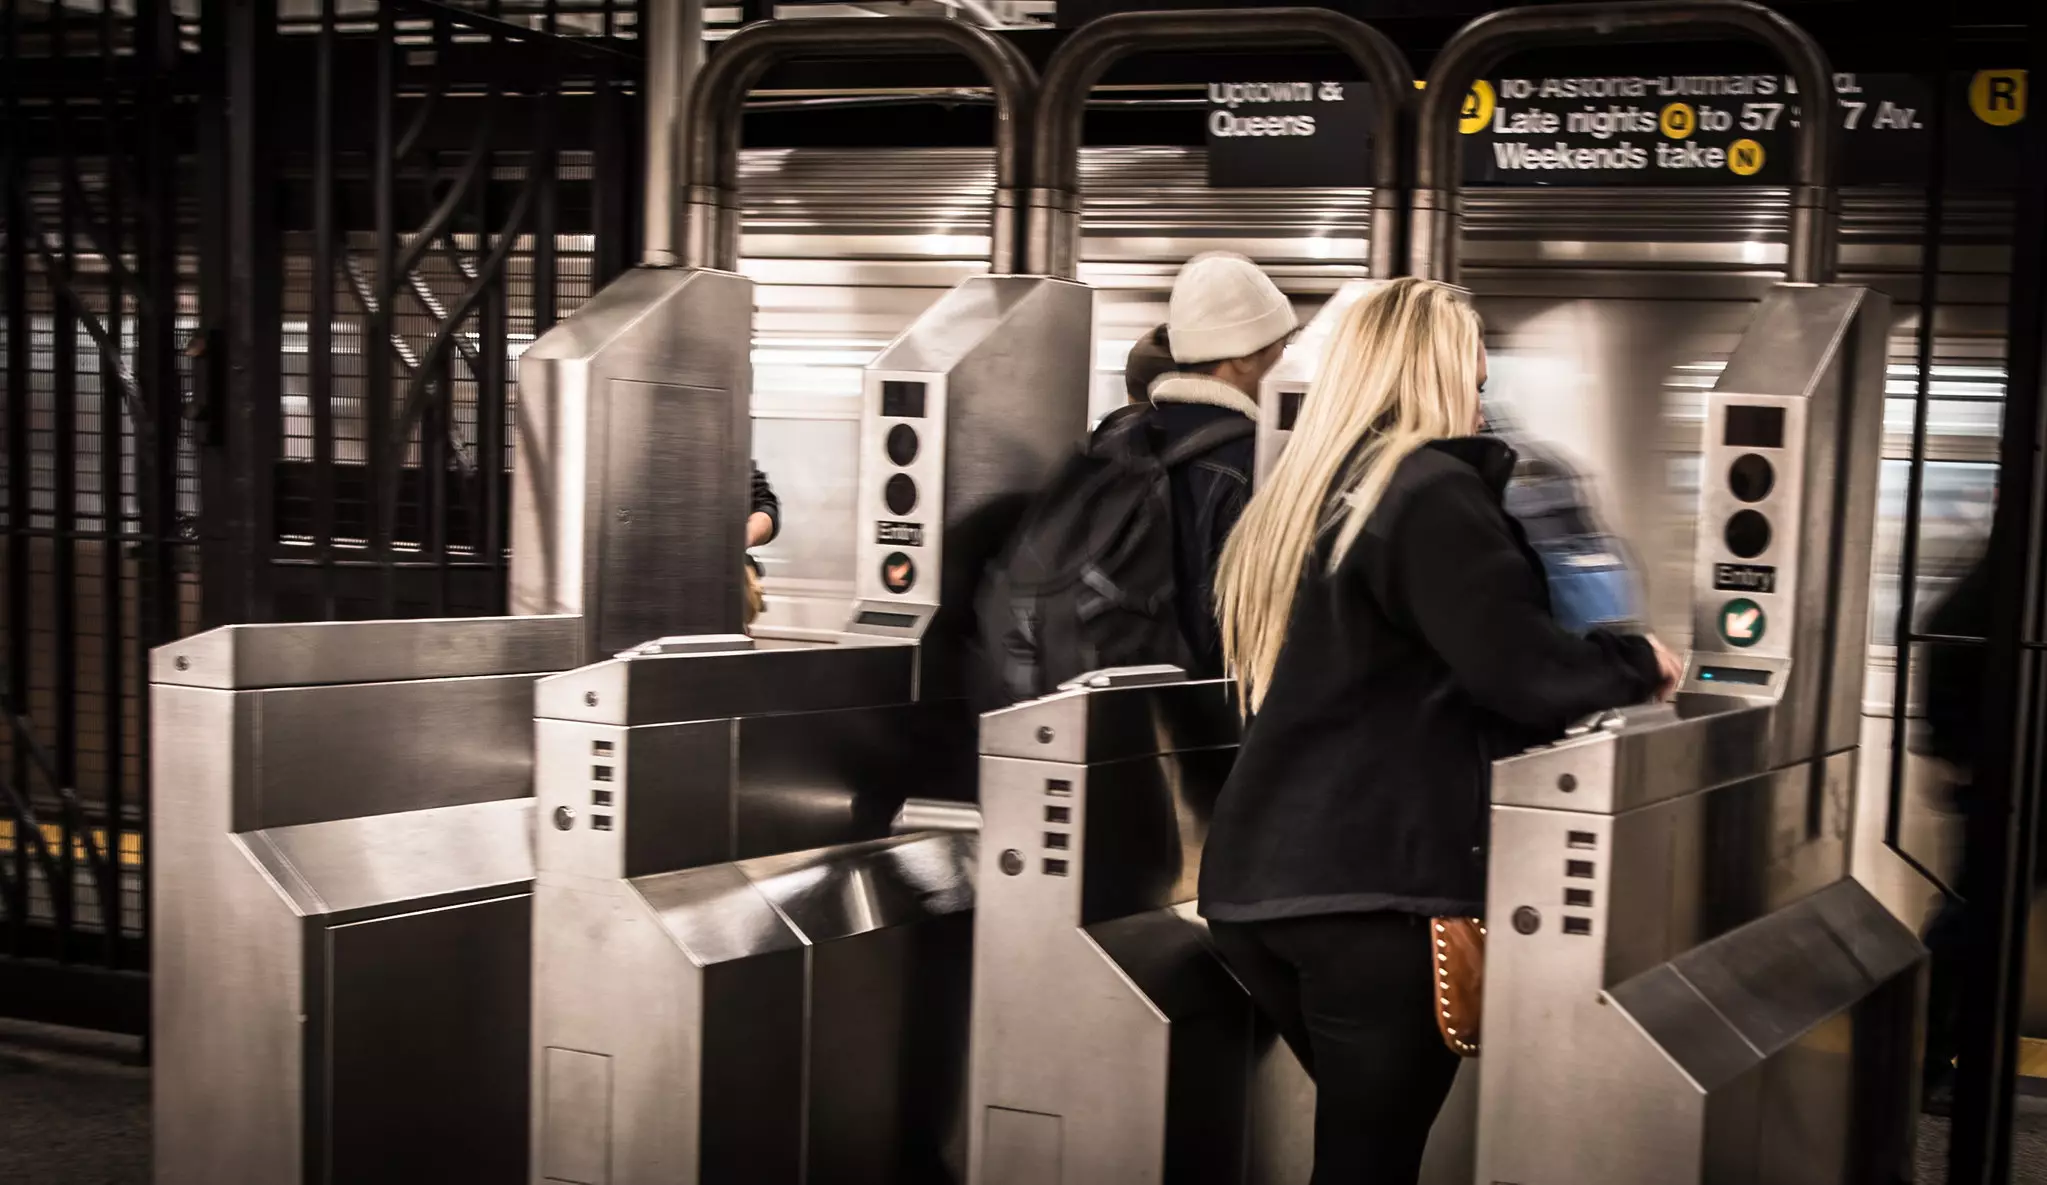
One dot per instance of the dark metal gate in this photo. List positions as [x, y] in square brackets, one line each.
[101, 483]
[275, 257]
[446, 184]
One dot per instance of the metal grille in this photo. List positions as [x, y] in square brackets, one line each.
[484, 203]
[101, 490]
[159, 241]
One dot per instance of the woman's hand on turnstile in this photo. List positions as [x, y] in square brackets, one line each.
[1670, 664]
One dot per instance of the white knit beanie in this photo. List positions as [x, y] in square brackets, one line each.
[1224, 307]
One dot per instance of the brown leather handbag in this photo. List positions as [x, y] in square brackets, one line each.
[756, 596]
[1460, 981]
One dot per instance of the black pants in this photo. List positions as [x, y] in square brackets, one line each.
[1354, 995]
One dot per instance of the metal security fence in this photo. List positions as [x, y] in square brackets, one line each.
[98, 300]
[483, 228]
[265, 272]
[452, 182]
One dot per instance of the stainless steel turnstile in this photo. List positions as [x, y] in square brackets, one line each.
[707, 1009]
[340, 869]
[1683, 983]
[1110, 1044]
[707, 1006]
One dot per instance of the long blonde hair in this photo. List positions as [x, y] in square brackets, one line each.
[1400, 370]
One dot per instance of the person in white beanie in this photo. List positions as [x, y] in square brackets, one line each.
[1227, 325]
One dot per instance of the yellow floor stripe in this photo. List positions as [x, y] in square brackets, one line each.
[53, 835]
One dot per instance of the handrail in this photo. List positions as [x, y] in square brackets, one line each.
[1053, 233]
[711, 137]
[1482, 44]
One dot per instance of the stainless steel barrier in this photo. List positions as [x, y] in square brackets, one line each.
[1110, 1044]
[708, 1008]
[1682, 983]
[340, 881]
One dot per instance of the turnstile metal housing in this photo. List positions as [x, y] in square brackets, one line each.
[632, 460]
[964, 417]
[708, 1008]
[1682, 982]
[1110, 1044]
[340, 870]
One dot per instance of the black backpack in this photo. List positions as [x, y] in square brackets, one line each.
[1087, 580]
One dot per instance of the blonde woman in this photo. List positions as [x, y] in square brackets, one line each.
[1391, 633]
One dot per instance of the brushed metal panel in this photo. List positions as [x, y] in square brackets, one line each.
[306, 654]
[659, 506]
[1023, 1147]
[1564, 1070]
[608, 980]
[1010, 357]
[321, 753]
[676, 688]
[1114, 723]
[575, 1116]
[848, 890]
[753, 1071]
[1655, 752]
[1819, 353]
[887, 1050]
[807, 779]
[674, 797]
[1057, 1028]
[1210, 1038]
[347, 865]
[671, 328]
[715, 914]
[428, 1014]
[226, 975]
[1143, 828]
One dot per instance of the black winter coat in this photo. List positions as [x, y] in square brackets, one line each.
[1209, 495]
[1363, 781]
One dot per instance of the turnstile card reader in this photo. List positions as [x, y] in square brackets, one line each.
[341, 863]
[1110, 1044]
[1682, 982]
[965, 417]
[633, 459]
[1283, 389]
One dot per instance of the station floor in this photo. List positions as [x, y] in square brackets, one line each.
[74, 1110]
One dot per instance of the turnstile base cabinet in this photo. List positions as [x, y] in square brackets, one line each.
[341, 865]
[305, 1031]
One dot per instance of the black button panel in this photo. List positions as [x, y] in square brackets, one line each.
[1751, 477]
[900, 494]
[1748, 534]
[902, 444]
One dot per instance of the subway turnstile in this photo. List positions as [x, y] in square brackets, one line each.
[1110, 1044]
[634, 433]
[1682, 982]
[341, 864]
[708, 1007]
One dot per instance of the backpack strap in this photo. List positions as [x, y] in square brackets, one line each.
[1207, 439]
